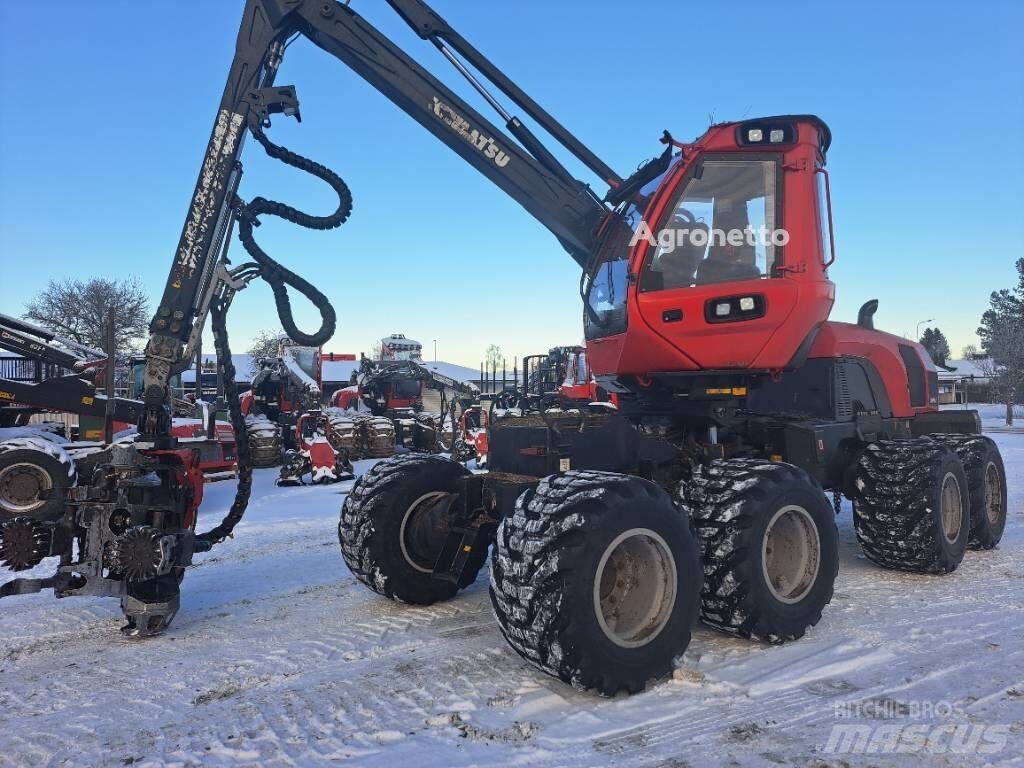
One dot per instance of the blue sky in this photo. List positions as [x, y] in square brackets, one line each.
[107, 107]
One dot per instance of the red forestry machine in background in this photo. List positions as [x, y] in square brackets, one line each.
[703, 494]
[38, 461]
[392, 389]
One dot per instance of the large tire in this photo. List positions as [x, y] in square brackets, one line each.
[33, 481]
[911, 505]
[378, 528]
[986, 480]
[769, 547]
[265, 441]
[378, 437]
[595, 579]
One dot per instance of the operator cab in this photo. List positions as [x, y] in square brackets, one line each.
[720, 263]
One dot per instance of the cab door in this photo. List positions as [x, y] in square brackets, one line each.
[708, 284]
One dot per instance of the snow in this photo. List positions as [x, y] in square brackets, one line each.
[243, 368]
[993, 416]
[339, 371]
[966, 369]
[279, 657]
[453, 370]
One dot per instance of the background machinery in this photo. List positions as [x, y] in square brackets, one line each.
[283, 388]
[391, 391]
[318, 452]
[38, 461]
[702, 494]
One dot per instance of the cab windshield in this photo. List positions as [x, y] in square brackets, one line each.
[721, 228]
[605, 286]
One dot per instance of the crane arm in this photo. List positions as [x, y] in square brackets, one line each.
[522, 168]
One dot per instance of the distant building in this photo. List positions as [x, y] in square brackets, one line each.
[966, 381]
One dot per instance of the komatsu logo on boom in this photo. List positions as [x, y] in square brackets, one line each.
[462, 127]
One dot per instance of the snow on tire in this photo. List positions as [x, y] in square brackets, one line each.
[911, 505]
[986, 480]
[264, 441]
[595, 580]
[378, 437]
[34, 473]
[769, 547]
[389, 532]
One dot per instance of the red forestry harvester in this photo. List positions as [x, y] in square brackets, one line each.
[393, 389]
[283, 388]
[318, 452]
[703, 494]
[561, 379]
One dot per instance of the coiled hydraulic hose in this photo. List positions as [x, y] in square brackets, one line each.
[278, 277]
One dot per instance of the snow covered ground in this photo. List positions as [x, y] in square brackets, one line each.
[279, 657]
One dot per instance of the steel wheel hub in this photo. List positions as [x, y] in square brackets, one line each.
[21, 485]
[423, 530]
[635, 587]
[952, 507]
[791, 554]
[993, 493]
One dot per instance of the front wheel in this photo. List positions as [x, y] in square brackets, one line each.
[394, 525]
[595, 579]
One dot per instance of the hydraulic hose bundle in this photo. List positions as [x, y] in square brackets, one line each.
[278, 277]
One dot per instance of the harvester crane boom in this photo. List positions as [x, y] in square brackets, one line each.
[525, 170]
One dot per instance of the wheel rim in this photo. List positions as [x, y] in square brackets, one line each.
[952, 507]
[993, 493]
[21, 485]
[635, 587]
[414, 514]
[791, 554]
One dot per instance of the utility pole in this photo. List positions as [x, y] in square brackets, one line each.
[199, 370]
[109, 342]
[917, 330]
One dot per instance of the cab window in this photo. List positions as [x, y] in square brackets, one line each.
[723, 227]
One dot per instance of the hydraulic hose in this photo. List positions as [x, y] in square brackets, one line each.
[217, 534]
[278, 277]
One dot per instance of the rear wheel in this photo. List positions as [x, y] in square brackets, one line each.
[911, 505]
[595, 580]
[986, 480]
[769, 546]
[394, 525]
[32, 483]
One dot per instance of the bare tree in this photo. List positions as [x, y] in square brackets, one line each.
[970, 352]
[78, 309]
[264, 343]
[493, 357]
[1002, 336]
